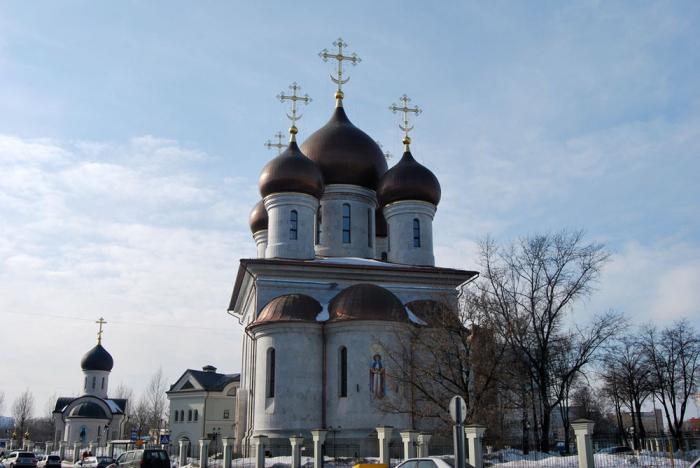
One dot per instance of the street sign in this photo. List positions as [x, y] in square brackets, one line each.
[134, 435]
[164, 439]
[458, 409]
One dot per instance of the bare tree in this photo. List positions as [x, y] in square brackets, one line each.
[528, 288]
[123, 392]
[22, 410]
[156, 399]
[674, 358]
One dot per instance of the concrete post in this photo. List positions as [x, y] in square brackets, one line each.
[110, 449]
[182, 455]
[409, 443]
[203, 452]
[48, 448]
[583, 428]
[227, 445]
[475, 434]
[657, 443]
[423, 441]
[76, 451]
[384, 436]
[91, 447]
[62, 449]
[260, 442]
[296, 443]
[319, 437]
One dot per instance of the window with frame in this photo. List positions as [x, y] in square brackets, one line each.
[177, 413]
[182, 415]
[370, 234]
[94, 381]
[189, 415]
[416, 233]
[346, 223]
[318, 226]
[226, 414]
[293, 224]
[103, 383]
[196, 415]
[270, 380]
[343, 372]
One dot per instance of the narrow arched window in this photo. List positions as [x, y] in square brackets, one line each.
[177, 413]
[384, 257]
[85, 383]
[103, 383]
[343, 371]
[270, 390]
[94, 381]
[182, 415]
[196, 415]
[293, 223]
[416, 232]
[318, 226]
[346, 223]
[370, 234]
[189, 415]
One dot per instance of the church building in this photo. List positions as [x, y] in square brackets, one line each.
[92, 417]
[345, 269]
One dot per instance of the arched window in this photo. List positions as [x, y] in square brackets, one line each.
[196, 415]
[346, 223]
[85, 382]
[370, 234]
[384, 257]
[182, 415]
[103, 383]
[293, 223]
[343, 371]
[189, 415]
[318, 226]
[416, 232]
[94, 381]
[270, 380]
[177, 413]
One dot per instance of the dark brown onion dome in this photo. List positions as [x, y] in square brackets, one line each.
[289, 308]
[258, 217]
[434, 313]
[345, 154]
[291, 171]
[97, 359]
[90, 410]
[366, 302]
[408, 180]
[379, 223]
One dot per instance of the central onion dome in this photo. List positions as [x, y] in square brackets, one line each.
[345, 154]
[409, 180]
[88, 410]
[366, 302]
[258, 217]
[97, 359]
[289, 308]
[291, 171]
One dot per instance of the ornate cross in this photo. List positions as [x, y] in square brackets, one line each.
[405, 110]
[101, 322]
[279, 145]
[294, 98]
[339, 57]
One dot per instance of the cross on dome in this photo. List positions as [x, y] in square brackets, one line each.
[405, 110]
[340, 58]
[100, 322]
[279, 145]
[293, 98]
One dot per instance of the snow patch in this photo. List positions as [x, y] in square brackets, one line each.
[357, 261]
[413, 318]
[324, 314]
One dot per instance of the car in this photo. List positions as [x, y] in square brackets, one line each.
[86, 462]
[20, 460]
[618, 450]
[104, 462]
[696, 464]
[429, 462]
[49, 461]
[144, 458]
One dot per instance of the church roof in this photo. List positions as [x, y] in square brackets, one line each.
[434, 313]
[345, 154]
[116, 405]
[366, 302]
[291, 171]
[408, 180]
[90, 410]
[289, 308]
[97, 359]
[209, 380]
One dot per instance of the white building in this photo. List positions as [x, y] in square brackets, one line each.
[203, 403]
[345, 269]
[92, 417]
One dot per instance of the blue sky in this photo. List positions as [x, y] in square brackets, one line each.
[131, 139]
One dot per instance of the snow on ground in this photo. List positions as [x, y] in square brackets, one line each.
[515, 458]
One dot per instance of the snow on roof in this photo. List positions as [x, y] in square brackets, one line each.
[324, 314]
[357, 261]
[113, 407]
[413, 318]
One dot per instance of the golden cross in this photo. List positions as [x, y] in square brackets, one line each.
[279, 145]
[405, 110]
[294, 98]
[339, 57]
[101, 322]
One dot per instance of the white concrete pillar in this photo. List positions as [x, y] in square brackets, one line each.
[409, 438]
[48, 448]
[583, 429]
[76, 451]
[227, 445]
[475, 434]
[423, 443]
[204, 452]
[280, 242]
[259, 442]
[296, 443]
[319, 437]
[62, 449]
[400, 218]
[657, 444]
[260, 238]
[182, 454]
[384, 436]
[110, 449]
[91, 447]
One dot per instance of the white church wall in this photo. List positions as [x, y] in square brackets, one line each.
[399, 217]
[260, 238]
[298, 368]
[96, 383]
[280, 243]
[75, 426]
[381, 246]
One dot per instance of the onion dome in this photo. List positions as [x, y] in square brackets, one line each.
[408, 180]
[97, 359]
[291, 171]
[345, 154]
[289, 308]
[434, 313]
[88, 409]
[380, 229]
[258, 217]
[366, 302]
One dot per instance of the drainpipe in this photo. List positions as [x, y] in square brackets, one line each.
[324, 390]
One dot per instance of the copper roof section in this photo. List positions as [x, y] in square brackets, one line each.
[289, 308]
[435, 313]
[291, 171]
[345, 154]
[366, 302]
[258, 217]
[408, 180]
